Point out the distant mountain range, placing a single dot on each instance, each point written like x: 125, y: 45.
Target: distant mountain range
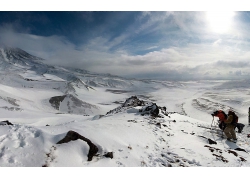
x: 22, y: 70
x: 18, y: 59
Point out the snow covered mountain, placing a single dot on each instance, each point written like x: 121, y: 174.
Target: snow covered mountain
x: 58, y: 116
x: 17, y: 54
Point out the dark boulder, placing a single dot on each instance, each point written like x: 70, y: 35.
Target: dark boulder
x: 55, y: 101
x: 240, y: 149
x: 210, y: 141
x: 109, y: 155
x: 151, y: 109
x: 2, y: 123
x: 72, y: 136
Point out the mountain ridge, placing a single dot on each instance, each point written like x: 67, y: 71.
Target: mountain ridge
x: 133, y: 123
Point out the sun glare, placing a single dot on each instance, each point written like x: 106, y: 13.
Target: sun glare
x: 220, y: 22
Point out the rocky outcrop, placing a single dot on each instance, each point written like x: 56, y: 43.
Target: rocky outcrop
x: 148, y: 108
x: 72, y: 136
x: 55, y: 101
x: 2, y: 123
x: 133, y: 101
x: 151, y: 109
x: 72, y: 105
x: 10, y: 100
x: 11, y: 108
x: 109, y: 155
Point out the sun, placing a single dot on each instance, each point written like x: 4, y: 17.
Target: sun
x: 220, y: 22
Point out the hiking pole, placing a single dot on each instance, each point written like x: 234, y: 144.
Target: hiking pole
x: 212, y: 122
x: 249, y: 116
x: 222, y: 131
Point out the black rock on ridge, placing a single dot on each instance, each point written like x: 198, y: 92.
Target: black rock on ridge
x: 148, y: 108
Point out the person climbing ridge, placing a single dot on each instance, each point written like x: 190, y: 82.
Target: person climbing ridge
x: 230, y: 126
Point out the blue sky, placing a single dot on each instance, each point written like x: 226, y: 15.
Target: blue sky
x: 173, y: 45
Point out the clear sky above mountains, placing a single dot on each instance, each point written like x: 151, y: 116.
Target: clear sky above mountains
x: 174, y: 45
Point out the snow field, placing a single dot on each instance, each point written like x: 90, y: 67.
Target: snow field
x: 175, y: 140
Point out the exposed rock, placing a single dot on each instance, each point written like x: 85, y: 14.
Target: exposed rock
x: 210, y: 141
x: 148, y: 108
x: 109, y: 155
x: 55, y: 101
x: 239, y: 149
x: 2, y: 123
x: 10, y: 100
x: 151, y: 109
x: 202, y: 137
x: 131, y: 120
x: 221, y: 158
x: 72, y: 105
x: 184, y: 131
x: 242, y: 159
x: 158, y: 124
x: 11, y: 108
x: 233, y: 152
x: 69, y: 88
x: 72, y: 136
x: 163, y: 110
x: 212, y: 149
x: 27, y: 79
x: 133, y: 101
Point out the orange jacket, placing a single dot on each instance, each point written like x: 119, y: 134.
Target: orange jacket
x: 221, y: 116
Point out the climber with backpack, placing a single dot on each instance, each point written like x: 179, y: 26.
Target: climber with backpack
x: 237, y: 125
x: 231, y: 122
x: 222, y: 117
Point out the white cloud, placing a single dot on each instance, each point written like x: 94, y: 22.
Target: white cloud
x: 216, y: 55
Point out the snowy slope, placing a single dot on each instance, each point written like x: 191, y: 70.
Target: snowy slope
x: 135, y: 141
x: 176, y: 138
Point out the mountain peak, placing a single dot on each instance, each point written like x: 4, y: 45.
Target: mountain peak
x: 12, y: 53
